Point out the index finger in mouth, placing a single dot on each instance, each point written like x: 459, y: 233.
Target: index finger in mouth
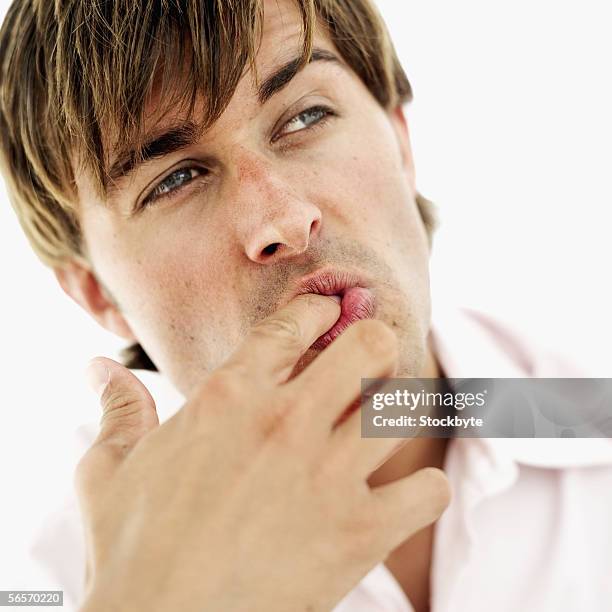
x: 273, y: 346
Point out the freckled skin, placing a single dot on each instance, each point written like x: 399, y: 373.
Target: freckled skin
x: 190, y: 275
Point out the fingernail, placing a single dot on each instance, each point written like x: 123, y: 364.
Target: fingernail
x: 98, y: 376
x: 336, y: 298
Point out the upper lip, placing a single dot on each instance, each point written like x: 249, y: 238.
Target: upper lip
x: 329, y: 282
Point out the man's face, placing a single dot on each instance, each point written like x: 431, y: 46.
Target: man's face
x: 318, y: 177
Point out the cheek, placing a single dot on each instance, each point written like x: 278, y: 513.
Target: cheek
x: 182, y: 292
x: 365, y: 186
x: 154, y: 262
x: 168, y: 287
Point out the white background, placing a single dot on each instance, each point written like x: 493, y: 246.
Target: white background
x: 512, y: 138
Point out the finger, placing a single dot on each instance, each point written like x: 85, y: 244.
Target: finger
x: 273, y: 346
x: 128, y: 410
x: 411, y: 503
x: 332, y: 382
x: 128, y: 413
x: 364, y: 455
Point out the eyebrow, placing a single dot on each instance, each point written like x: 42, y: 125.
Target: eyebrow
x: 283, y: 75
x: 186, y: 133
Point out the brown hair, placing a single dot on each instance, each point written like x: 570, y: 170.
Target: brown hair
x: 72, y: 71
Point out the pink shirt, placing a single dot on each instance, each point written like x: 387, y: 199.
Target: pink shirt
x: 529, y: 526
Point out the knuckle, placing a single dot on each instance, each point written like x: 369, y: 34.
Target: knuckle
x: 285, y: 327
x: 363, y: 533
x: 221, y: 389
x: 120, y: 402
x: 314, y: 300
x: 323, y: 476
x: 236, y: 368
x: 277, y: 420
x: 121, y: 423
x: 438, y: 487
x: 275, y: 427
x: 223, y: 383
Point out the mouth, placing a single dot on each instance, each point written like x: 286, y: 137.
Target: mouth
x: 357, y: 300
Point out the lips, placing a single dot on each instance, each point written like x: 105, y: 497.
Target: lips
x: 357, y: 301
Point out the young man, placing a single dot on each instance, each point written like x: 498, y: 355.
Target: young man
x: 230, y: 187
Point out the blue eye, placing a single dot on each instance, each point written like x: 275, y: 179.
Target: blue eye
x: 306, y: 119
x: 171, y: 184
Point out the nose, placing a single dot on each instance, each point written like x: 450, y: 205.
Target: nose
x: 283, y: 240
x: 273, y: 221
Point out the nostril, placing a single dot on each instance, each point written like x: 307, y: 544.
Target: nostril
x: 271, y: 248
x: 314, y: 226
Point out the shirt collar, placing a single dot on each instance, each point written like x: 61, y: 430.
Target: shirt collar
x: 472, y: 344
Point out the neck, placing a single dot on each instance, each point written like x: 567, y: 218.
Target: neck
x: 419, y: 452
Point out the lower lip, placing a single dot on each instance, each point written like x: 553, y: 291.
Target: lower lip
x: 357, y: 303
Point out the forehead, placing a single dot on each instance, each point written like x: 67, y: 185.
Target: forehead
x: 281, y: 40
x: 282, y: 23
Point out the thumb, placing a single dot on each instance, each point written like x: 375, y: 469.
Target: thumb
x: 128, y: 413
x: 128, y: 410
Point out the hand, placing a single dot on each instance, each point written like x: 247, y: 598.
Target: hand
x: 249, y: 498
